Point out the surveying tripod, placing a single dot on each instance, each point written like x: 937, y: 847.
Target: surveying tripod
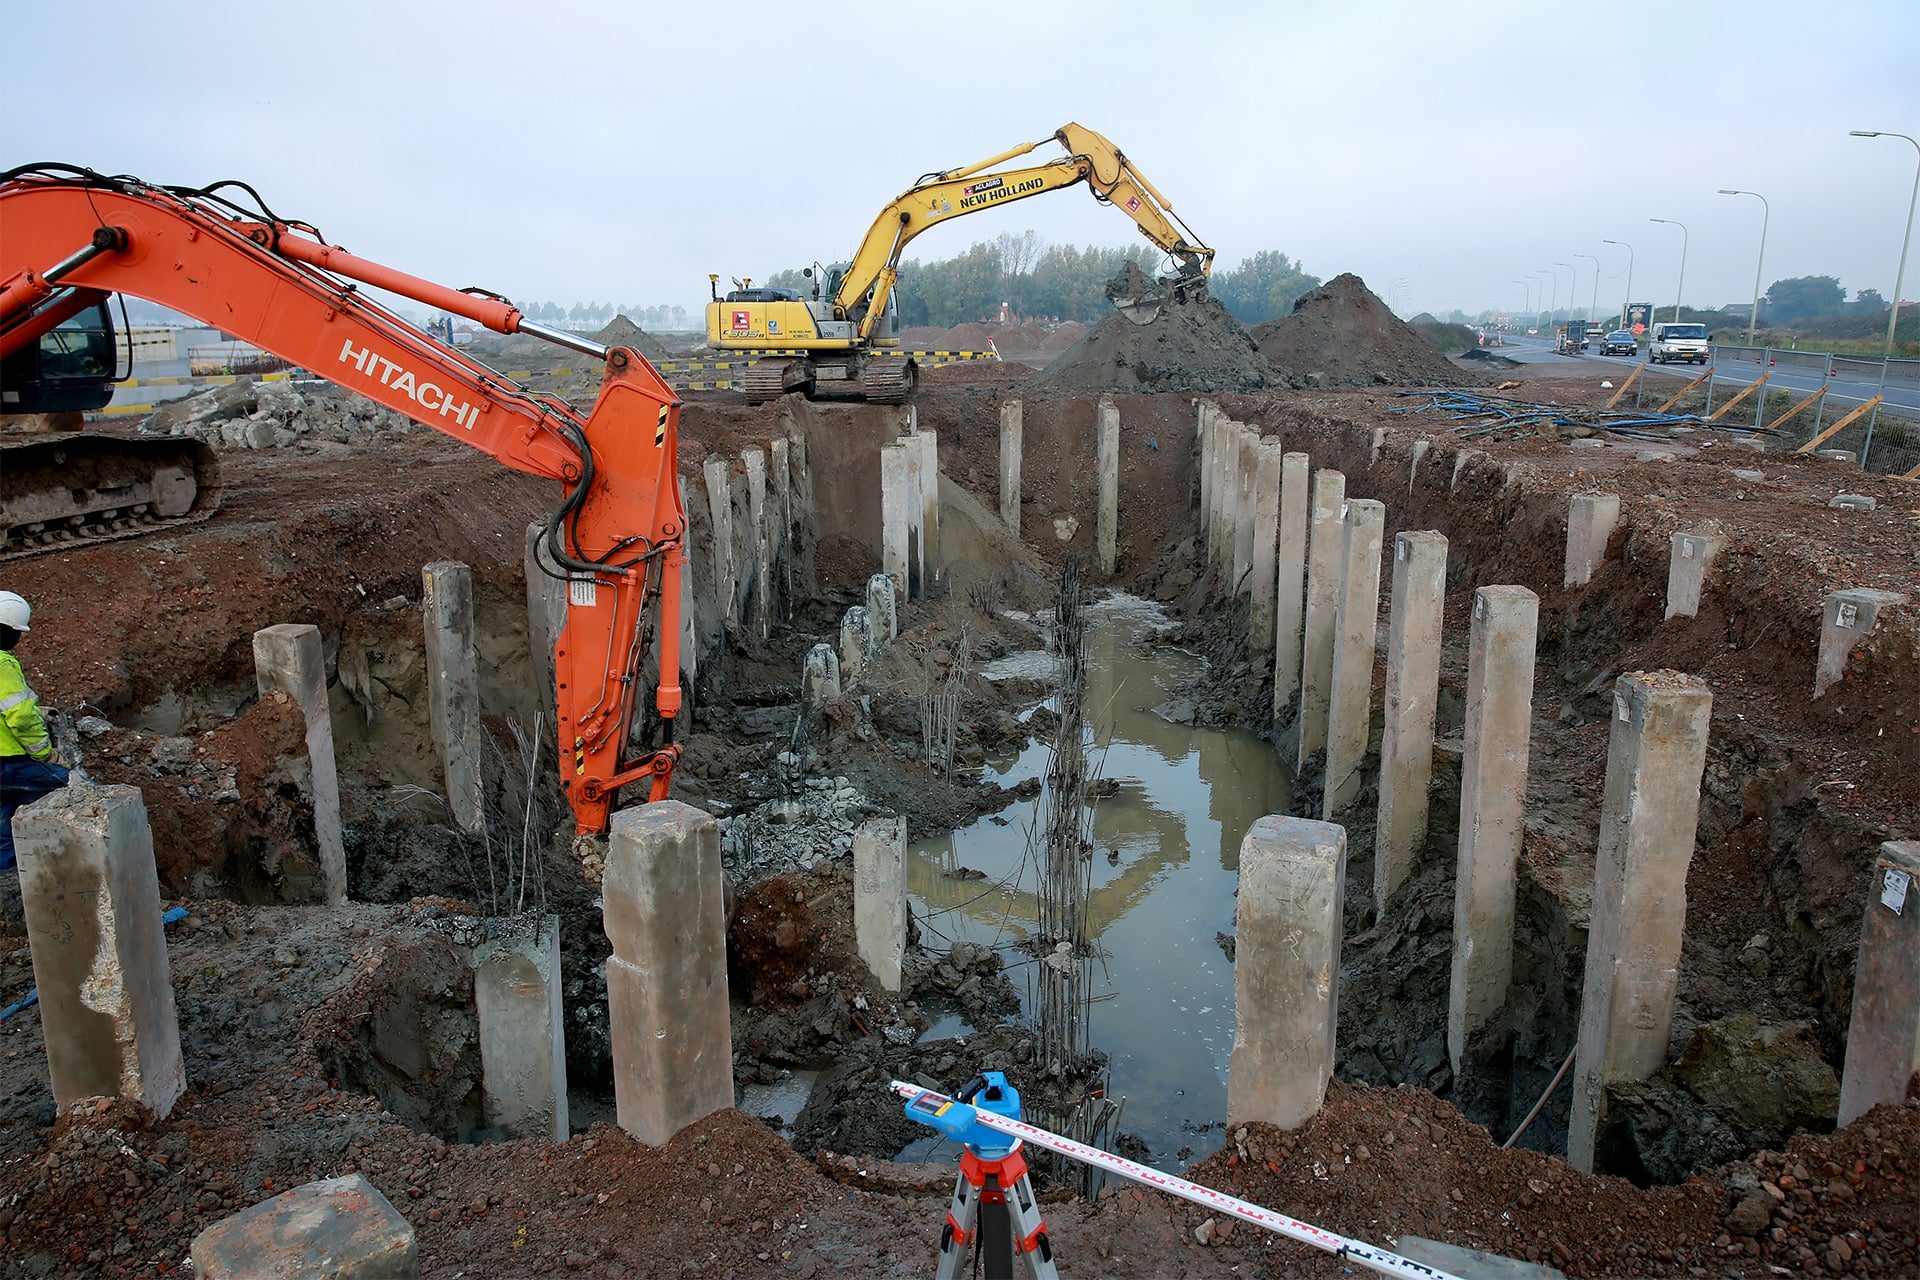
x: 993, y: 1210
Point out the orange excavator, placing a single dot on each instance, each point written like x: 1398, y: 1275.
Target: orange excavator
x: 70, y: 238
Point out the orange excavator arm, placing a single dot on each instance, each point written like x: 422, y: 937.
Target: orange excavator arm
x: 619, y: 530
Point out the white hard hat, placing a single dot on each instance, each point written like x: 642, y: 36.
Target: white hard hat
x: 15, y: 612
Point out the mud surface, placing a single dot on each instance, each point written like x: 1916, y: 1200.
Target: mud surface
x: 1341, y: 335
x: 1194, y: 344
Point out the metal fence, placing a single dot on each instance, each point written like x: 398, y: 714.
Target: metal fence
x: 1886, y: 439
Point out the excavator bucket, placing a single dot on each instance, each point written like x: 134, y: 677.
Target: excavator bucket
x: 1136, y: 295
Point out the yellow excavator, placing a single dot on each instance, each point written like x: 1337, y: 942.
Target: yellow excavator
x: 847, y: 333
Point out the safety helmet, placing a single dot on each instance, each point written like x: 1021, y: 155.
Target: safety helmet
x: 15, y: 612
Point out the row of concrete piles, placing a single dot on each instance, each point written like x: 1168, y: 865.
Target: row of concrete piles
x: 1308, y: 561
x: 91, y: 899
x: 1106, y: 453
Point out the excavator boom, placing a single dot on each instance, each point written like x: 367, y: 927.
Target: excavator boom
x: 618, y: 530
x: 843, y: 333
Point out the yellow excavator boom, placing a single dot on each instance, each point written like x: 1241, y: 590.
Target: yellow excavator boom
x: 865, y: 288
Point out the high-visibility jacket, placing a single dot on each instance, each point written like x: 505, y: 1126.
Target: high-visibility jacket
x: 22, y: 731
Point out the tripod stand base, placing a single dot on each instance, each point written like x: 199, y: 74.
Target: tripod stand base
x: 995, y: 1211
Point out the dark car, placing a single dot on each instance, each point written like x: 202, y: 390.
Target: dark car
x: 1619, y: 343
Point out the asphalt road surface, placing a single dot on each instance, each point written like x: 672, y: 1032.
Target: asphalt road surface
x: 1846, y: 389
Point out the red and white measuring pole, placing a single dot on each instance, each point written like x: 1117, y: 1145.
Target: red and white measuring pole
x: 1359, y: 1251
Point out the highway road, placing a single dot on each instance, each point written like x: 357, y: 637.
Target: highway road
x: 1848, y: 388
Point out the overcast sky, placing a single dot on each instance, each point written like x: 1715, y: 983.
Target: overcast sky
x: 618, y: 152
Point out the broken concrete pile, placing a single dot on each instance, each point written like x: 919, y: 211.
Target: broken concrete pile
x: 794, y: 831
x: 1194, y: 344
x: 1341, y: 335
x: 275, y: 415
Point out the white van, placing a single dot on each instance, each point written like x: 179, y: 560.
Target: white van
x: 1681, y: 343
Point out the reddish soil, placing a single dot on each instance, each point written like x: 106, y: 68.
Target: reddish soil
x: 158, y: 628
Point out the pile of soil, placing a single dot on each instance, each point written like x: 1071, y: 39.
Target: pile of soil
x: 1341, y: 335
x: 1193, y: 345
x: 622, y: 332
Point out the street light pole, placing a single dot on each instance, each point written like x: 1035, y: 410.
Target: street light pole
x: 1629, y: 301
x: 1899, y: 278
x: 1573, y: 281
x: 1681, y: 287
x: 1593, y: 307
x: 1553, y: 298
x: 1527, y: 306
x: 1766, y: 216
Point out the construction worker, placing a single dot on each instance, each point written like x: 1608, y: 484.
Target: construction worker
x: 27, y: 770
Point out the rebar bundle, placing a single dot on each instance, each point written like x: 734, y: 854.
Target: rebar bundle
x: 1503, y: 418
x: 1065, y: 881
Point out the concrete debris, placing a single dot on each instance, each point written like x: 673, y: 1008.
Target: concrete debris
x: 276, y: 415
x: 793, y: 832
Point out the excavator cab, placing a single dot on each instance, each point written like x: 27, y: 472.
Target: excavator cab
x: 69, y: 369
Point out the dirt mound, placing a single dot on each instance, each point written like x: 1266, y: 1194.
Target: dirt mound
x: 1341, y: 335
x: 1195, y: 345
x: 622, y: 332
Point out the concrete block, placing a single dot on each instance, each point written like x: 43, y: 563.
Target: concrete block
x: 1590, y: 521
x: 719, y: 479
x: 1106, y: 526
x: 759, y: 540
x: 880, y: 897
x: 667, y: 977
x: 689, y: 621
x: 1883, y: 1035
x: 1648, y: 813
x: 1286, y: 970
x: 92, y: 905
x: 547, y: 613
x: 1837, y: 455
x: 1493, y: 788
x: 523, y: 1042
x: 1356, y: 630
x: 1325, y: 534
x: 1204, y: 411
x: 934, y: 569
x: 1266, y: 534
x: 334, y: 1229
x: 1245, y: 514
x: 453, y: 688
x: 819, y: 677
x: 1412, y: 694
x: 1749, y: 475
x: 1853, y: 502
x: 1690, y: 556
x: 1290, y: 579
x: 856, y: 645
x: 780, y: 518
x: 1847, y: 618
x: 1010, y: 450
x: 896, y: 517
x: 916, y: 518
x: 287, y: 658
x: 883, y: 612
x: 1216, y: 462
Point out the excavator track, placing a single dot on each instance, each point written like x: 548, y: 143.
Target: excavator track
x: 889, y: 380
x: 65, y: 490
x: 767, y: 380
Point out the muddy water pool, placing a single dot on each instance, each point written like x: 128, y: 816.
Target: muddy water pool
x: 1165, y: 864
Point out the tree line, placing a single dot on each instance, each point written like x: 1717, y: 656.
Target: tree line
x: 1061, y: 282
